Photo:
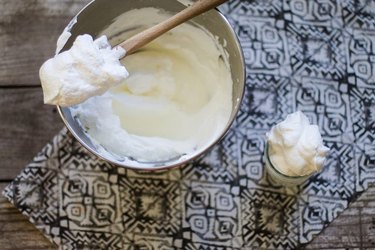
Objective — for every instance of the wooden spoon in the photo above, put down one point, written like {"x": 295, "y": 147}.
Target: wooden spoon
{"x": 148, "y": 35}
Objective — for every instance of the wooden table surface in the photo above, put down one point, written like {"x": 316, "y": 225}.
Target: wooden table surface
{"x": 28, "y": 32}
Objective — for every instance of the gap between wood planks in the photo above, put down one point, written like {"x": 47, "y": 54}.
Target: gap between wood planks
{"x": 20, "y": 87}
{"x": 27, "y": 125}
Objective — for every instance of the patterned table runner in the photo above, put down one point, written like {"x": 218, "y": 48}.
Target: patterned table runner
{"x": 314, "y": 56}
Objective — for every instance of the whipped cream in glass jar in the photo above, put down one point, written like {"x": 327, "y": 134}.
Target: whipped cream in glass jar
{"x": 294, "y": 150}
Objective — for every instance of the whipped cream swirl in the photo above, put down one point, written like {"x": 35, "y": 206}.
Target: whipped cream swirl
{"x": 296, "y": 147}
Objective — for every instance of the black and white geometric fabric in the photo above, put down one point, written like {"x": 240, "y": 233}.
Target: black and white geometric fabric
{"x": 315, "y": 56}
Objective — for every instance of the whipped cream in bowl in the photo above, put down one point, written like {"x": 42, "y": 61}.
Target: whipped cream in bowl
{"x": 181, "y": 95}
{"x": 294, "y": 150}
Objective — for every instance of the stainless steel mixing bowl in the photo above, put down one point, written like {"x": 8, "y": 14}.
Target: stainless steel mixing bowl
{"x": 97, "y": 15}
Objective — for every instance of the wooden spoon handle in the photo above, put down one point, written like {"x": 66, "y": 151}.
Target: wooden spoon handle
{"x": 143, "y": 38}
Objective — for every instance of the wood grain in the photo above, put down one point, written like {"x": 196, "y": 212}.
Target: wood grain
{"x": 28, "y": 33}
{"x": 353, "y": 229}
{"x": 26, "y": 126}
{"x": 16, "y": 232}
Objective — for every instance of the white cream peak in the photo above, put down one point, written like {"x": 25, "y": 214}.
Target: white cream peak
{"x": 65, "y": 35}
{"x": 296, "y": 147}
{"x": 88, "y": 69}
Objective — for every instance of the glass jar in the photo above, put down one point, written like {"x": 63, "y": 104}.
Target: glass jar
{"x": 277, "y": 176}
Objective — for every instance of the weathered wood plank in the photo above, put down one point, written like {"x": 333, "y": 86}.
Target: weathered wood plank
{"x": 28, "y": 33}
{"x": 353, "y": 229}
{"x": 15, "y": 230}
{"x": 26, "y": 125}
